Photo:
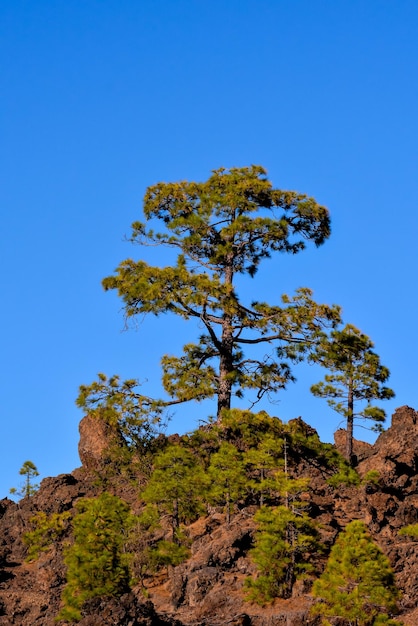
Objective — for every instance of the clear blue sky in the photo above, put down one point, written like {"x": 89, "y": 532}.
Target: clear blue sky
{"x": 102, "y": 98}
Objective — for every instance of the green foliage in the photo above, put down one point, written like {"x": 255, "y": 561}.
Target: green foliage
{"x": 143, "y": 535}
{"x": 247, "y": 430}
{"x": 227, "y": 478}
{"x": 356, "y": 376}
{"x": 411, "y": 531}
{"x": 385, "y": 620}
{"x": 46, "y": 530}
{"x": 30, "y": 471}
{"x": 222, "y": 228}
{"x": 176, "y": 486}
{"x": 262, "y": 462}
{"x": 97, "y": 563}
{"x": 120, "y": 460}
{"x": 176, "y": 490}
{"x": 293, "y": 490}
{"x": 284, "y": 542}
{"x": 358, "y": 583}
{"x": 151, "y": 553}
{"x": 345, "y": 475}
{"x": 149, "y": 519}
{"x": 371, "y": 478}
{"x": 203, "y": 442}
{"x": 285, "y": 539}
{"x": 121, "y": 405}
{"x": 166, "y": 554}
{"x": 263, "y": 439}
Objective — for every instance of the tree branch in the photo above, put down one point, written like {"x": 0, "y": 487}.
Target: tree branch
{"x": 269, "y": 338}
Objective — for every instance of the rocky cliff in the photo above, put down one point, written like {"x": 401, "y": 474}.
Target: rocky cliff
{"x": 207, "y": 588}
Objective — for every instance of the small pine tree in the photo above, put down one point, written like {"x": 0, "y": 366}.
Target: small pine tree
{"x": 97, "y": 563}
{"x": 30, "y": 471}
{"x": 358, "y": 583}
{"x": 176, "y": 486}
{"x": 227, "y": 478}
{"x": 261, "y": 462}
{"x": 283, "y": 543}
{"x": 166, "y": 553}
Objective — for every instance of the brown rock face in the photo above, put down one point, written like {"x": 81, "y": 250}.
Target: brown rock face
{"x": 361, "y": 449}
{"x": 207, "y": 589}
{"x": 95, "y": 438}
{"x": 129, "y": 610}
{"x": 395, "y": 453}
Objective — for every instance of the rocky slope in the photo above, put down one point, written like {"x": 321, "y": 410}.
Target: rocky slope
{"x": 207, "y": 588}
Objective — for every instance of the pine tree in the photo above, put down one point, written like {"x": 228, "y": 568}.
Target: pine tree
{"x": 358, "y": 583}
{"x": 176, "y": 486}
{"x": 30, "y": 471}
{"x": 221, "y": 229}
{"x": 284, "y": 542}
{"x": 97, "y": 563}
{"x": 262, "y": 462}
{"x": 227, "y": 478}
{"x": 357, "y": 376}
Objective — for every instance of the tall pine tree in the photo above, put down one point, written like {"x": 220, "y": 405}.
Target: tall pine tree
{"x": 220, "y": 229}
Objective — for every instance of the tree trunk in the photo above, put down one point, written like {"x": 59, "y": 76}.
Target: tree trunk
{"x": 226, "y": 363}
{"x": 225, "y": 372}
{"x": 286, "y": 500}
{"x": 350, "y": 425}
{"x": 175, "y": 521}
{"x": 290, "y": 571}
{"x": 228, "y": 509}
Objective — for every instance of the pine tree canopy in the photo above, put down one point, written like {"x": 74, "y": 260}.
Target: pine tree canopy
{"x": 222, "y": 228}
{"x": 176, "y": 485}
{"x": 358, "y": 584}
{"x": 284, "y": 543}
{"x": 97, "y": 561}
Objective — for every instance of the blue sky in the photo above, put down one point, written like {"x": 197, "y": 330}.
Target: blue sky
{"x": 102, "y": 98}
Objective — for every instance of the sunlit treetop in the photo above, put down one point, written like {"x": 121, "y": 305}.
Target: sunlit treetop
{"x": 234, "y": 217}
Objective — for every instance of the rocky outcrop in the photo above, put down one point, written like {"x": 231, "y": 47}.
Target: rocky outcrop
{"x": 361, "y": 449}
{"x": 96, "y": 438}
{"x": 129, "y": 610}
{"x": 207, "y": 590}
{"x": 395, "y": 453}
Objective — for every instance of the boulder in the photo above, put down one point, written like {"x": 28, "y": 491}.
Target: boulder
{"x": 96, "y": 437}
